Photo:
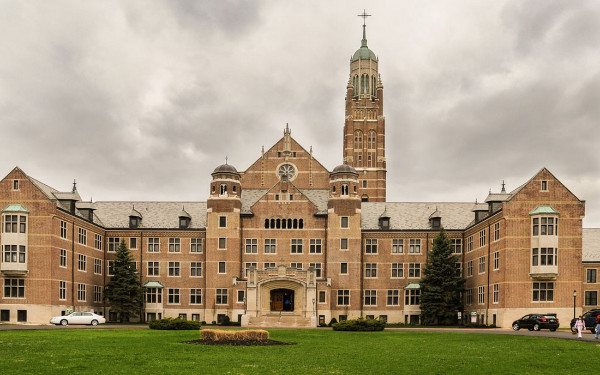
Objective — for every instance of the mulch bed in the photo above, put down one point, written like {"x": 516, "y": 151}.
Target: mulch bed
{"x": 239, "y": 343}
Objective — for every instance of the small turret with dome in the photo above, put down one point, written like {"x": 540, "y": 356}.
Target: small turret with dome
{"x": 343, "y": 182}
{"x": 226, "y": 181}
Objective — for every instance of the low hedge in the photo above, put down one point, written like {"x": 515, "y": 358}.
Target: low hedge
{"x": 248, "y": 335}
{"x": 359, "y": 324}
{"x": 174, "y": 324}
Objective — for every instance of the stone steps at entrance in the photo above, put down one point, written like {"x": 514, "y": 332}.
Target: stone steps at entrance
{"x": 276, "y": 320}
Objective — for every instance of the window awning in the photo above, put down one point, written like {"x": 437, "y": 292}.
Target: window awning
{"x": 413, "y": 286}
{"x": 15, "y": 208}
{"x": 543, "y": 210}
{"x": 153, "y": 284}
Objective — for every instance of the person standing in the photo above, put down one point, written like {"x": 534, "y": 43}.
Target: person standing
{"x": 579, "y": 326}
{"x": 597, "y": 327}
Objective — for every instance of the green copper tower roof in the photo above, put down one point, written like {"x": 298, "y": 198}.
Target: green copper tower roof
{"x": 364, "y": 53}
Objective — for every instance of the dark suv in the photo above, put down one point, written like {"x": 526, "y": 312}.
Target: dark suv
{"x": 535, "y": 322}
{"x": 589, "y": 318}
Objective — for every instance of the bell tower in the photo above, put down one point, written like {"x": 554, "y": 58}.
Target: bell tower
{"x": 364, "y": 126}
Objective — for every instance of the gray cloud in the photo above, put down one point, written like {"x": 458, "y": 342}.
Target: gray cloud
{"x": 141, "y": 100}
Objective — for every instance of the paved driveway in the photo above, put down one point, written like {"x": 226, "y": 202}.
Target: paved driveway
{"x": 8, "y": 327}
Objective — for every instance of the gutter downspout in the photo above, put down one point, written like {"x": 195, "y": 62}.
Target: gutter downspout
{"x": 141, "y": 270}
{"x": 489, "y": 243}
{"x": 73, "y": 265}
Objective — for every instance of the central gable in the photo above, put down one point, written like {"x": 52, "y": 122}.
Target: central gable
{"x": 264, "y": 172}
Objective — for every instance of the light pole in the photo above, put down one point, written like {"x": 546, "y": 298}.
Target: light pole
{"x": 574, "y": 302}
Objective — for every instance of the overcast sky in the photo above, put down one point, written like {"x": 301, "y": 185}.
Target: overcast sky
{"x": 140, "y": 100}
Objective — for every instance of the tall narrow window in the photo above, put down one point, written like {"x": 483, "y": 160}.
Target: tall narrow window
{"x": 372, "y": 140}
{"x": 358, "y": 140}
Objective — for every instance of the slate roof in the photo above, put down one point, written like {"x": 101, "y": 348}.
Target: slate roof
{"x": 251, "y": 196}
{"x": 415, "y": 215}
{"x": 319, "y": 197}
{"x": 498, "y": 197}
{"x": 163, "y": 215}
{"x": 590, "y": 245}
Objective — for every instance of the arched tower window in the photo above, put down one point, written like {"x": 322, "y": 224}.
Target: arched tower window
{"x": 373, "y": 84}
{"x": 372, "y": 139}
{"x": 266, "y": 223}
{"x": 358, "y": 139}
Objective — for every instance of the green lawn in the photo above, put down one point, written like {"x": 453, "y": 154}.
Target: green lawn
{"x": 122, "y": 351}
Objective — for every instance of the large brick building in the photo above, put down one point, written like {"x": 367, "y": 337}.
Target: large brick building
{"x": 289, "y": 242}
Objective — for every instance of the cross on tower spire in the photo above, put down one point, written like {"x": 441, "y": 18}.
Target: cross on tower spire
{"x": 364, "y": 16}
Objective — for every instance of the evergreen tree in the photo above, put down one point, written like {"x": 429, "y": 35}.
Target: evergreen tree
{"x": 442, "y": 284}
{"x": 124, "y": 290}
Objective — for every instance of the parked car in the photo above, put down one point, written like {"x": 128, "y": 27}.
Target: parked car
{"x": 78, "y": 318}
{"x": 589, "y": 318}
{"x": 535, "y": 322}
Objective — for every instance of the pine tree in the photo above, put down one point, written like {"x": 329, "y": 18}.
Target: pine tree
{"x": 124, "y": 290}
{"x": 442, "y": 284}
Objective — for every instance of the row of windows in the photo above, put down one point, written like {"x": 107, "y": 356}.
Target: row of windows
{"x": 154, "y": 295}
{"x": 14, "y": 224}
{"x": 14, "y": 253}
{"x": 411, "y": 297}
{"x": 483, "y": 237}
{"x": 482, "y": 264}
{"x": 153, "y": 244}
{"x": 81, "y": 235}
{"x": 81, "y": 292}
{"x": 284, "y": 223}
{"x": 541, "y": 292}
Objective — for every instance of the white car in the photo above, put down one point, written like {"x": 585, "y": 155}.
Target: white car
{"x": 78, "y": 318}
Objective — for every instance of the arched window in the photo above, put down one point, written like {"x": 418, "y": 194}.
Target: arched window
{"x": 284, "y": 224}
{"x": 295, "y": 225}
{"x": 355, "y": 84}
{"x": 344, "y": 189}
{"x": 301, "y": 224}
{"x": 278, "y": 223}
{"x": 362, "y": 83}
{"x": 358, "y": 139}
{"x": 289, "y": 223}
{"x": 266, "y": 223}
{"x": 372, "y": 139}
{"x": 272, "y": 226}
{"x": 223, "y": 189}
{"x": 373, "y": 84}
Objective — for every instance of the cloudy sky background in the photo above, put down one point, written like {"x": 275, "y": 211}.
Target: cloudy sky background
{"x": 140, "y": 100}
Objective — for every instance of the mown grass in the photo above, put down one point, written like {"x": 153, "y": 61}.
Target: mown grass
{"x": 122, "y": 351}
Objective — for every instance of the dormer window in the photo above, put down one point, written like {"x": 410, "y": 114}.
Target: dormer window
{"x": 134, "y": 222}
{"x": 184, "y": 222}
{"x": 384, "y": 223}
{"x": 436, "y": 223}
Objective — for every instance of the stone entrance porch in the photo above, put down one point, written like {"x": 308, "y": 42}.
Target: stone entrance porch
{"x": 280, "y": 296}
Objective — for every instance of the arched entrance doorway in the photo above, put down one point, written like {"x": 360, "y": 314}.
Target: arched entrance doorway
{"x": 282, "y": 300}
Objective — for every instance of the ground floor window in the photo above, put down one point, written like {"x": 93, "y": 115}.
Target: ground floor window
{"x": 412, "y": 296}
{"x": 195, "y": 296}
{"x": 173, "y": 294}
{"x": 153, "y": 295}
{"x": 182, "y": 316}
{"x": 196, "y": 317}
{"x": 543, "y": 291}
{"x": 343, "y": 317}
{"x": 14, "y": 288}
{"x": 370, "y": 298}
{"x": 221, "y": 296}
{"x": 21, "y": 315}
{"x": 393, "y": 297}
{"x": 591, "y": 298}
{"x": 321, "y": 319}
{"x": 4, "y": 315}
{"x": 343, "y": 297}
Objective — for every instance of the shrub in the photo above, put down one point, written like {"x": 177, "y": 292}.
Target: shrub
{"x": 359, "y": 324}
{"x": 332, "y": 322}
{"x": 249, "y": 335}
{"x": 174, "y": 324}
